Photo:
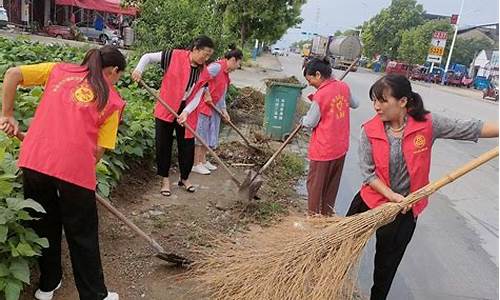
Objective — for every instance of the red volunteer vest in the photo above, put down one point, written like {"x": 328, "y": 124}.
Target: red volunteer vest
{"x": 62, "y": 138}
{"x": 330, "y": 138}
{"x": 173, "y": 88}
{"x": 216, "y": 87}
{"x": 417, "y": 146}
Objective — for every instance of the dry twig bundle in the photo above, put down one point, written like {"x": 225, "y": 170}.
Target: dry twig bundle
{"x": 313, "y": 261}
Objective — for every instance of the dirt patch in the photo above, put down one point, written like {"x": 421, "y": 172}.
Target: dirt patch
{"x": 247, "y": 107}
{"x": 291, "y": 80}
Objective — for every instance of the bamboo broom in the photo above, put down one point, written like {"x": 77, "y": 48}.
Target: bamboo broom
{"x": 311, "y": 263}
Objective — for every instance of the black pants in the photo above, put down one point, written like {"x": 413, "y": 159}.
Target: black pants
{"x": 392, "y": 240}
{"x": 73, "y": 208}
{"x": 185, "y": 147}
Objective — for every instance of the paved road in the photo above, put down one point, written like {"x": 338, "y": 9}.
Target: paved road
{"x": 454, "y": 252}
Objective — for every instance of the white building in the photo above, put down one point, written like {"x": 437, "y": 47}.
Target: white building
{"x": 485, "y": 64}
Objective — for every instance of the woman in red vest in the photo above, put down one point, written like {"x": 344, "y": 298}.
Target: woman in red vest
{"x": 209, "y": 120}
{"x": 184, "y": 75}
{"x": 76, "y": 120}
{"x": 328, "y": 117}
{"x": 395, "y": 155}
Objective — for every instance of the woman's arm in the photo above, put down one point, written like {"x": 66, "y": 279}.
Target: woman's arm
{"x": 13, "y": 77}
{"x": 145, "y": 60}
{"x": 489, "y": 130}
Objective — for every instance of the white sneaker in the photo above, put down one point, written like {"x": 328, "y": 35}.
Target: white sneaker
{"x": 112, "y": 296}
{"x": 46, "y": 295}
{"x": 201, "y": 169}
{"x": 209, "y": 166}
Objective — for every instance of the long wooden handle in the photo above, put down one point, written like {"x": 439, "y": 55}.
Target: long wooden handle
{"x": 196, "y": 135}
{"x": 349, "y": 69}
{"x": 275, "y": 154}
{"x": 436, "y": 185}
{"x": 231, "y": 124}
{"x": 129, "y": 223}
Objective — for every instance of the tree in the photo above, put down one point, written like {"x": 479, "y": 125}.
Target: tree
{"x": 382, "y": 34}
{"x": 174, "y": 23}
{"x": 261, "y": 19}
{"x": 415, "y": 42}
{"x": 466, "y": 49}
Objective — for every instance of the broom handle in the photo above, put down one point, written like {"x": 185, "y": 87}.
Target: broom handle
{"x": 173, "y": 112}
{"x": 349, "y": 69}
{"x": 273, "y": 157}
{"x": 129, "y": 223}
{"x": 436, "y": 185}
{"x": 231, "y": 124}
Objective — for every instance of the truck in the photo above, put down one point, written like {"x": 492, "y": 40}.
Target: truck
{"x": 342, "y": 51}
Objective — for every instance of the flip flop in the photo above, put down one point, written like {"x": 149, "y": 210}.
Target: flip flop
{"x": 190, "y": 188}
{"x": 165, "y": 193}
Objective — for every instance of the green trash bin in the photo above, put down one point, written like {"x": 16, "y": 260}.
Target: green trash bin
{"x": 280, "y": 107}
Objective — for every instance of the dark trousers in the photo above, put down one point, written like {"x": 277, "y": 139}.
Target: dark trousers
{"x": 73, "y": 208}
{"x": 164, "y": 140}
{"x": 392, "y": 240}
{"x": 323, "y": 183}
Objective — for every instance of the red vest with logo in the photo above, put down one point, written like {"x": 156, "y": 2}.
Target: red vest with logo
{"x": 330, "y": 138}
{"x": 62, "y": 138}
{"x": 173, "y": 88}
{"x": 417, "y": 146}
{"x": 217, "y": 86}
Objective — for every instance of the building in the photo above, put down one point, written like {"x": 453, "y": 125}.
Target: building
{"x": 485, "y": 31}
{"x": 39, "y": 13}
{"x": 485, "y": 64}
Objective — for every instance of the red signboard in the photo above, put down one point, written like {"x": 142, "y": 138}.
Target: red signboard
{"x": 440, "y": 35}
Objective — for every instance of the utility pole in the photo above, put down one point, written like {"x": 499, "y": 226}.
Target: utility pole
{"x": 452, "y": 43}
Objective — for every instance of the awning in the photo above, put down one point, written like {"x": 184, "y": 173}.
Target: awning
{"x": 112, "y": 6}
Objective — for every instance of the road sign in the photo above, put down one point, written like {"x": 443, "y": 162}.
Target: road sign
{"x": 436, "y": 50}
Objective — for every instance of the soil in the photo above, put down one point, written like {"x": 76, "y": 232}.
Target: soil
{"x": 181, "y": 223}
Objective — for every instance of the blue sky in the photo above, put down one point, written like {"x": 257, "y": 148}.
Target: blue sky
{"x": 327, "y": 16}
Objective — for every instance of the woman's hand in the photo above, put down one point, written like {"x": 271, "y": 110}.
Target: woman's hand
{"x": 225, "y": 116}
{"x": 9, "y": 125}
{"x": 182, "y": 118}
{"x": 136, "y": 76}
{"x": 208, "y": 98}
{"x": 398, "y": 198}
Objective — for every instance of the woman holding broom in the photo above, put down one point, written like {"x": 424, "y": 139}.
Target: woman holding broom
{"x": 183, "y": 72}
{"x": 328, "y": 117}
{"x": 395, "y": 155}
{"x": 208, "y": 119}
{"x": 76, "y": 120}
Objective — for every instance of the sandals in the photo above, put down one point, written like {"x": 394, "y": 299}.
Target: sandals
{"x": 190, "y": 188}
{"x": 165, "y": 192}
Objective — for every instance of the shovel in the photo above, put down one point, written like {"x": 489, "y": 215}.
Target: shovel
{"x": 160, "y": 252}
{"x": 196, "y": 135}
{"x": 253, "y": 181}
{"x": 234, "y": 127}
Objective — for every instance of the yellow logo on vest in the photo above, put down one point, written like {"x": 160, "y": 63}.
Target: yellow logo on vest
{"x": 83, "y": 94}
{"x": 337, "y": 105}
{"x": 420, "y": 143}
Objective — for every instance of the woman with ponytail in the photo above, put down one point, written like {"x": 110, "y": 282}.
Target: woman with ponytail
{"x": 75, "y": 122}
{"x": 395, "y": 156}
{"x": 209, "y": 120}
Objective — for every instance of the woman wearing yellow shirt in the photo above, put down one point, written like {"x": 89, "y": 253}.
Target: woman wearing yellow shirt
{"x": 75, "y": 121}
